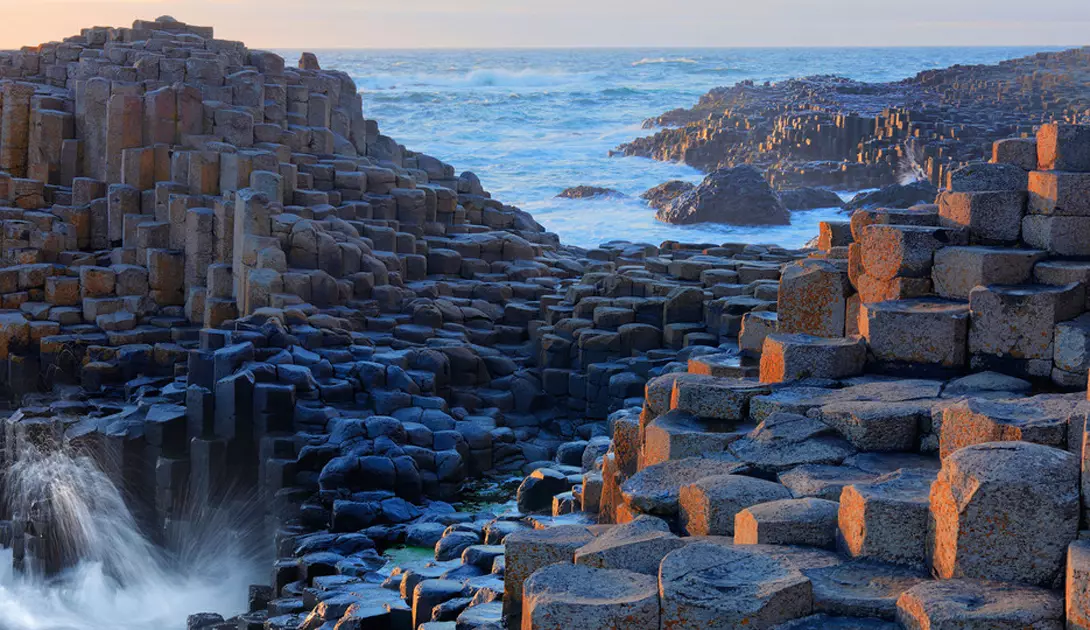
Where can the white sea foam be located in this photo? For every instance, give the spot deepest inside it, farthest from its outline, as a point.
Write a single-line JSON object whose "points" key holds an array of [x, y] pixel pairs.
{"points": [[122, 581], [646, 61]]}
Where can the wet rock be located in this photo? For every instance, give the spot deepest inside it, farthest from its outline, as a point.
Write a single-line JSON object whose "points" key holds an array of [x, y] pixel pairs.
{"points": [[737, 196], [588, 192]]}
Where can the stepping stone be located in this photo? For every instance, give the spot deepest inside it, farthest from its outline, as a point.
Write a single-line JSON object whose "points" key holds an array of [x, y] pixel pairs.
{"points": [[979, 605], [876, 426], [788, 357], [638, 546], [825, 622], [783, 441], [654, 490], [1012, 326], [862, 588], [793, 400], [708, 506], [715, 398], [810, 522], [429, 594], [890, 390], [1004, 511], [958, 270], [822, 482], [887, 518], [923, 215], [707, 585], [924, 331], [565, 596], [1039, 420], [529, 550], [678, 434]]}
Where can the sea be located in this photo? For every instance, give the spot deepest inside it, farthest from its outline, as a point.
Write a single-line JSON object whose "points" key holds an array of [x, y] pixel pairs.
{"points": [[531, 123]]}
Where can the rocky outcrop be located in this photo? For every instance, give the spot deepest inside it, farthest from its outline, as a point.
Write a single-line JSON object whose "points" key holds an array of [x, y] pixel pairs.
{"points": [[735, 196], [851, 135], [588, 192], [895, 196], [810, 199], [661, 196]]}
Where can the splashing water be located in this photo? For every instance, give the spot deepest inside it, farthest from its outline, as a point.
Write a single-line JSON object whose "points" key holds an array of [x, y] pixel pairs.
{"points": [[121, 580], [910, 167]]}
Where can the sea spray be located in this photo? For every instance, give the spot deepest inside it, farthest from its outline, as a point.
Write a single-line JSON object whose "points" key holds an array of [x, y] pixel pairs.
{"points": [[116, 578]]}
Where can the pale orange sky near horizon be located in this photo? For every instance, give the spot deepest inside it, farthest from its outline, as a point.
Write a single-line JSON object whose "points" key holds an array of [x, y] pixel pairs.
{"points": [[571, 23]]}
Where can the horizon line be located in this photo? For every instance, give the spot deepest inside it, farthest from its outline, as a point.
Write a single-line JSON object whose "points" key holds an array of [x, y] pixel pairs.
{"points": [[642, 47]]}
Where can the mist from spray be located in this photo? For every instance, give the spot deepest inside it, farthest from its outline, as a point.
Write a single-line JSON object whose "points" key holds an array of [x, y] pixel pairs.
{"points": [[121, 580], [910, 166]]}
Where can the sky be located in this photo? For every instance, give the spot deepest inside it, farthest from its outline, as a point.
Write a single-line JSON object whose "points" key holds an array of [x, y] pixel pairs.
{"points": [[322, 24]]}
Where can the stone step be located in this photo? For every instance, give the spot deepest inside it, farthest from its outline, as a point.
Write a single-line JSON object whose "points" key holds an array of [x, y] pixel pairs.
{"points": [[917, 335], [565, 596], [958, 270], [787, 357]]}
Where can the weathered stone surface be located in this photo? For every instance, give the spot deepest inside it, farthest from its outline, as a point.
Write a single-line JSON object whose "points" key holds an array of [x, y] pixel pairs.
{"points": [[654, 490], [876, 426], [979, 605], [792, 357], [638, 546], [1033, 487], [1041, 420], [708, 506], [529, 550], [958, 270], [923, 331], [991, 217], [812, 299], [862, 588], [822, 481], [707, 585], [810, 522], [891, 251], [783, 441], [715, 398], [826, 622], [887, 519], [677, 435], [1077, 585], [1017, 322], [737, 196], [566, 596]]}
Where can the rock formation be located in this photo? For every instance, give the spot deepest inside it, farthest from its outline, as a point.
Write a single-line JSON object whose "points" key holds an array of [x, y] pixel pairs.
{"points": [[736, 196], [835, 132], [219, 279]]}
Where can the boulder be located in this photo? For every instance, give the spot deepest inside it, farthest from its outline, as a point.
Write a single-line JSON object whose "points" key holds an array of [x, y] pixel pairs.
{"points": [[735, 196], [588, 192], [660, 197], [895, 196], [810, 199]]}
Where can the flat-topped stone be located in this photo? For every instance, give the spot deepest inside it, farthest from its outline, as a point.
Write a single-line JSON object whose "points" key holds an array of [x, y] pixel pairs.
{"points": [[862, 587], [822, 481], [708, 507], [654, 490], [810, 522], [678, 434], [958, 270], [638, 545], [713, 397], [887, 518], [526, 551], [979, 605], [564, 596], [1041, 419], [783, 441], [790, 357], [918, 331], [704, 585]]}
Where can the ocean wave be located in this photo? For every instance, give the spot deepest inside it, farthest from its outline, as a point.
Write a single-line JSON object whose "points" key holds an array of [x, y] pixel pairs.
{"points": [[481, 77], [646, 61]]}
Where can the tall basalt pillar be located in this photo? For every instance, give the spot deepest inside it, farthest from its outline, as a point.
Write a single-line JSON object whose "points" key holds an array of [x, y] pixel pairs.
{"points": [[124, 130], [15, 128]]}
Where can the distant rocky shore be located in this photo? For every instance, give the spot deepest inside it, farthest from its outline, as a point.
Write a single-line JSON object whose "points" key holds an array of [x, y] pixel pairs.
{"points": [[848, 135]]}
